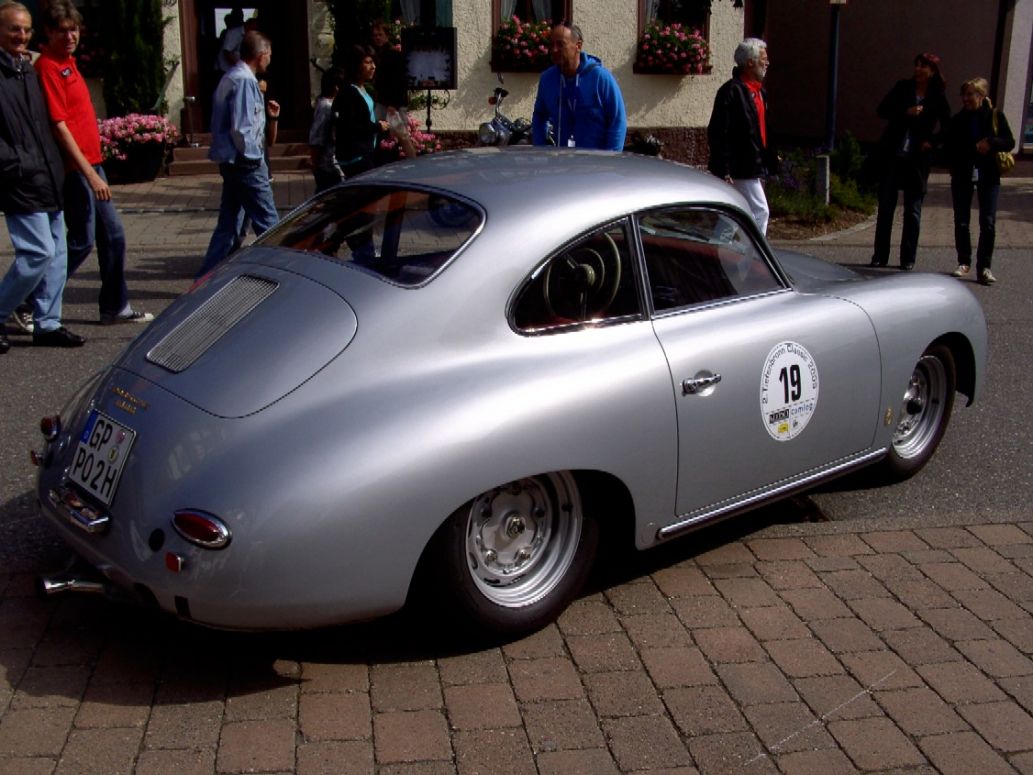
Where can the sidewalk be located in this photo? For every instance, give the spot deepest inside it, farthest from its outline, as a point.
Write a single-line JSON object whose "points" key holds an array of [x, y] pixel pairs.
{"points": [[1014, 219], [764, 645]]}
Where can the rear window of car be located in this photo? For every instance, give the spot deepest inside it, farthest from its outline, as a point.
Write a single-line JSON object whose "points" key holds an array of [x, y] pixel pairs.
{"points": [[403, 235]]}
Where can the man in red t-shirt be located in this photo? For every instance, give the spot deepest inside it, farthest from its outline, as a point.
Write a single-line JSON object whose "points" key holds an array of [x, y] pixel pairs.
{"points": [[90, 215]]}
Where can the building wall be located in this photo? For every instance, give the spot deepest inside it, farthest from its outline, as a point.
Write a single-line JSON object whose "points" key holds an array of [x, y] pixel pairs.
{"points": [[878, 42], [1015, 98], [610, 31], [173, 51], [320, 41]]}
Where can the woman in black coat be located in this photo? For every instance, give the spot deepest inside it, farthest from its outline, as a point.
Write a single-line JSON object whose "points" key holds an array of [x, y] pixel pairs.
{"points": [[914, 108], [357, 127], [971, 146]]}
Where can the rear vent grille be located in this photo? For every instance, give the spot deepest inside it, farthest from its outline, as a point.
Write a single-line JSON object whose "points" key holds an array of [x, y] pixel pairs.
{"points": [[195, 336]]}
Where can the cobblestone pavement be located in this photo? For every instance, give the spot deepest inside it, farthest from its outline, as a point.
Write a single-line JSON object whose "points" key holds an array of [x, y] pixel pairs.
{"points": [[771, 645]]}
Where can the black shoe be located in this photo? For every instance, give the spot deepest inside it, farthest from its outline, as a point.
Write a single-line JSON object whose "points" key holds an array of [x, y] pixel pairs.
{"points": [[876, 263], [5, 343], [59, 337], [906, 267]]}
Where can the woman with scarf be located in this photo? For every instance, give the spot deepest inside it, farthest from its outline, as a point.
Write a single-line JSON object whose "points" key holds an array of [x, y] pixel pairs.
{"points": [[915, 108]]}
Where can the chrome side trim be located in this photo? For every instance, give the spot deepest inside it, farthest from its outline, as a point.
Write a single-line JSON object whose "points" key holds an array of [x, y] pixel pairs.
{"points": [[74, 510], [755, 499], [210, 322]]}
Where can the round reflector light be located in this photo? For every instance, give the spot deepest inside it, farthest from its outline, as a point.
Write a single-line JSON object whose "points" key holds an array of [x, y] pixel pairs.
{"points": [[201, 528], [50, 427]]}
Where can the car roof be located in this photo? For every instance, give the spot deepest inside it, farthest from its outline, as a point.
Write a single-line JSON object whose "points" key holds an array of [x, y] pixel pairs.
{"points": [[588, 185]]}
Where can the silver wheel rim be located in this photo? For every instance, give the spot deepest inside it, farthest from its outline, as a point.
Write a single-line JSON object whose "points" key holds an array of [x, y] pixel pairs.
{"points": [[921, 410], [521, 538]]}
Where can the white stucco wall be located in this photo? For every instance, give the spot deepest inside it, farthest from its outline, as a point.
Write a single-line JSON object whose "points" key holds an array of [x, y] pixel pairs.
{"points": [[610, 31], [173, 50], [320, 41], [1015, 96]]}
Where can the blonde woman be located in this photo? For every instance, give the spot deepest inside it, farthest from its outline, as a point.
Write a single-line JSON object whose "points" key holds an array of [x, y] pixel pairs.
{"points": [[972, 144]]}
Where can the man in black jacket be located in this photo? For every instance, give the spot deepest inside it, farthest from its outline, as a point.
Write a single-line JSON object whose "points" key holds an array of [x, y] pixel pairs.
{"points": [[31, 174], [737, 132]]}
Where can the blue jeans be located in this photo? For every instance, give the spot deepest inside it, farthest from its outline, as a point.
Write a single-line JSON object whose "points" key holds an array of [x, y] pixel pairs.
{"points": [[90, 221], [961, 198], [904, 175], [245, 189], [40, 264]]}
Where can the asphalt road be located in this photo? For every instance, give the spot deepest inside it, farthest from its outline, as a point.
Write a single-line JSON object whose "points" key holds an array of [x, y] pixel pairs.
{"points": [[982, 471]]}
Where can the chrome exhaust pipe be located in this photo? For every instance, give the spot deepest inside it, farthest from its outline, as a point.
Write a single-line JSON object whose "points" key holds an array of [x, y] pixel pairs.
{"points": [[48, 586]]}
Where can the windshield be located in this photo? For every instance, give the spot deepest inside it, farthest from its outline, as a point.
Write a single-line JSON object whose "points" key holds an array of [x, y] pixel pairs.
{"points": [[403, 235]]}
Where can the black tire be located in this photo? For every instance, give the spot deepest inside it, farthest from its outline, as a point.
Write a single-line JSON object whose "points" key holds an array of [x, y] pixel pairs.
{"points": [[923, 415], [512, 559]]}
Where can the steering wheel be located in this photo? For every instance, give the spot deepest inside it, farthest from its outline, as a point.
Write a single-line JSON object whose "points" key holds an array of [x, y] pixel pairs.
{"points": [[582, 283]]}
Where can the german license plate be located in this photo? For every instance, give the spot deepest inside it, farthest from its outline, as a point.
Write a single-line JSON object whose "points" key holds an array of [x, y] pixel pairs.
{"points": [[101, 455]]}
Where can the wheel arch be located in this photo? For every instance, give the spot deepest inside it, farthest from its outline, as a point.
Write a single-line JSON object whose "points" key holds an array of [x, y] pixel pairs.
{"points": [[964, 363], [608, 500], [604, 497]]}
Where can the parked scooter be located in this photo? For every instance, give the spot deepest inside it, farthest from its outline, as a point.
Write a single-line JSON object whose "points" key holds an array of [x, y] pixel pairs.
{"points": [[502, 130]]}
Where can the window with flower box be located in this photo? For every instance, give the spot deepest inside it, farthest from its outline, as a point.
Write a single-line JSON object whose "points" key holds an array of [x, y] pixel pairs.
{"points": [[520, 33], [674, 37]]}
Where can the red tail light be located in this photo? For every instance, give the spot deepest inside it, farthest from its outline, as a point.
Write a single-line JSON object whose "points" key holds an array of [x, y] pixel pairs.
{"points": [[50, 427], [201, 528]]}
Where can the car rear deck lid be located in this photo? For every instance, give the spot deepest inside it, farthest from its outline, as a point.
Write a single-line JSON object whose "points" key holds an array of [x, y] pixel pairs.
{"points": [[242, 343]]}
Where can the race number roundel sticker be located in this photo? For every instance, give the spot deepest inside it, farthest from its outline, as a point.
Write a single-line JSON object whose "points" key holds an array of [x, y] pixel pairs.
{"points": [[788, 390]]}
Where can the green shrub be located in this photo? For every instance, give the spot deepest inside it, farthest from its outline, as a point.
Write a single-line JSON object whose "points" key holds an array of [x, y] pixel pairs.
{"points": [[847, 194], [135, 70], [848, 158], [791, 193]]}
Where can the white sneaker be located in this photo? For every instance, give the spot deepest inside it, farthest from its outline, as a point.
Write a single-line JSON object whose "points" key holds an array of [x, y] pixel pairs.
{"points": [[986, 277], [128, 316], [961, 271], [21, 319]]}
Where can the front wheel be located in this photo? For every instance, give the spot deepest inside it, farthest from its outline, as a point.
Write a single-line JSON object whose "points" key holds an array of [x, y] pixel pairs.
{"points": [[515, 556], [924, 413]]}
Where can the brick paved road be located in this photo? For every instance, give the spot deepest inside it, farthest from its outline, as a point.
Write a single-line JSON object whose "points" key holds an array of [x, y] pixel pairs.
{"points": [[767, 645], [872, 651]]}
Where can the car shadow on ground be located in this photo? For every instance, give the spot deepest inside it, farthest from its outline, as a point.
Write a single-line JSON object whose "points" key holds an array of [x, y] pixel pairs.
{"points": [[153, 657], [189, 662]]}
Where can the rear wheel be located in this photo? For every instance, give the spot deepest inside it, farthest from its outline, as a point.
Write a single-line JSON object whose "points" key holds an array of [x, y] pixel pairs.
{"points": [[924, 413], [515, 556]]}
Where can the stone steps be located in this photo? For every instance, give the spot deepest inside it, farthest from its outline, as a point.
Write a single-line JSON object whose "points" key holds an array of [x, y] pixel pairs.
{"points": [[193, 160]]}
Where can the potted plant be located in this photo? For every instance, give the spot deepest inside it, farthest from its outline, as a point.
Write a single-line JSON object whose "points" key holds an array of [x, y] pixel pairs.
{"points": [[135, 146], [521, 46], [672, 49], [425, 142]]}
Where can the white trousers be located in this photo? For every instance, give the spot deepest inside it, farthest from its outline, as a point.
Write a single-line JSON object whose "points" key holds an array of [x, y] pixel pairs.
{"points": [[753, 192]]}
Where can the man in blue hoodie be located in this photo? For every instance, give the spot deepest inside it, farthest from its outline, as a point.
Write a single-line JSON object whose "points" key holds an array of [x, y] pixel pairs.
{"points": [[578, 98]]}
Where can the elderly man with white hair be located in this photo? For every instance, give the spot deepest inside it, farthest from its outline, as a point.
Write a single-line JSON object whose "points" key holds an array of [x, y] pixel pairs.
{"points": [[737, 133]]}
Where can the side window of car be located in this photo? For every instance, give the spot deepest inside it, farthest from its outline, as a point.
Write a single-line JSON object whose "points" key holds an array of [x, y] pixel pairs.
{"points": [[697, 255], [590, 281]]}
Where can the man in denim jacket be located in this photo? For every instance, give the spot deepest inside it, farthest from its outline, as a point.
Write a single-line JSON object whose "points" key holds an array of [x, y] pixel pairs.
{"points": [[239, 135]]}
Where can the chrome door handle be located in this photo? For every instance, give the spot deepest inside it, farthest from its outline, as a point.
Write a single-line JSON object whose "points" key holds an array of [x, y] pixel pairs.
{"points": [[696, 385]]}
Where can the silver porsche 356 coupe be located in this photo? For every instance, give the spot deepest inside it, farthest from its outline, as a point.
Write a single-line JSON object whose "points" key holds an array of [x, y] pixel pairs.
{"points": [[457, 373]]}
